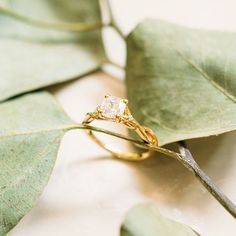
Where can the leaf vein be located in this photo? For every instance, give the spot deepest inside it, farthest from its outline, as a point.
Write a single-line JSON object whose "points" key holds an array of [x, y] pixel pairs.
{"points": [[206, 76]]}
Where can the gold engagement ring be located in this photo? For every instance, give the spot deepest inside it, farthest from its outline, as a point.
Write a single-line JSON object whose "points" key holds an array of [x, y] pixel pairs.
{"points": [[116, 109]]}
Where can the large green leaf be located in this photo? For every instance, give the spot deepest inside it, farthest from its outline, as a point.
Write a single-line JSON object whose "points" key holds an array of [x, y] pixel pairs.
{"points": [[34, 57], [181, 81], [146, 220], [31, 128]]}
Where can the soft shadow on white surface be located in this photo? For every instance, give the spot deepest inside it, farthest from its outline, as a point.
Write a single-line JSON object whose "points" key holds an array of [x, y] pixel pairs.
{"points": [[183, 197]]}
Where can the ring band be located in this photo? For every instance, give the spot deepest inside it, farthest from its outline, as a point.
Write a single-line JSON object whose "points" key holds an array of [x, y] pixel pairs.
{"points": [[116, 109]]}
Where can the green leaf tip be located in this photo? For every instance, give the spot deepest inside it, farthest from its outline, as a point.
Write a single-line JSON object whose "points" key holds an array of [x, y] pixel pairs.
{"points": [[146, 220]]}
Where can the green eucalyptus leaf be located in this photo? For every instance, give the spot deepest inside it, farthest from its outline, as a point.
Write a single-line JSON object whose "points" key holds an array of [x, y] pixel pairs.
{"points": [[33, 57], [146, 220], [181, 81], [31, 129]]}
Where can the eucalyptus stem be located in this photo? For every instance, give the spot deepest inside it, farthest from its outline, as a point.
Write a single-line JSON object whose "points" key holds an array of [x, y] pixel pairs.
{"points": [[184, 157], [187, 159], [118, 66], [113, 21], [135, 141], [64, 26]]}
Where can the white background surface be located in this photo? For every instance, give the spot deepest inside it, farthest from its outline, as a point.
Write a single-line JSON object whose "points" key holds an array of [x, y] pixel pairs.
{"points": [[89, 192]]}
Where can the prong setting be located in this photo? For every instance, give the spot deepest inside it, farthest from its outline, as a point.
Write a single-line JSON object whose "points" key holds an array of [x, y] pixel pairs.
{"points": [[112, 108], [99, 110], [125, 101]]}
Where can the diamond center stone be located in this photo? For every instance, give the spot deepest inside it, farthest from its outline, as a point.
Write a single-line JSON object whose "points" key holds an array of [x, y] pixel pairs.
{"points": [[112, 106]]}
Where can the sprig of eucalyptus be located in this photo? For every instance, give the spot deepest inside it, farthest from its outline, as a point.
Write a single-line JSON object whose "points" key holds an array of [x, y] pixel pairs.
{"points": [[169, 79]]}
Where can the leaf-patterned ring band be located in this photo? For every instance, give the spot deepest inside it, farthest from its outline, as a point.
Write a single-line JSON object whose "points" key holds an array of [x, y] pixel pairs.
{"points": [[116, 109]]}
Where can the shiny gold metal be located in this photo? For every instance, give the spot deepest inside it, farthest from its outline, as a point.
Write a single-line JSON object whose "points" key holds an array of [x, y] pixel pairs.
{"points": [[122, 116]]}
